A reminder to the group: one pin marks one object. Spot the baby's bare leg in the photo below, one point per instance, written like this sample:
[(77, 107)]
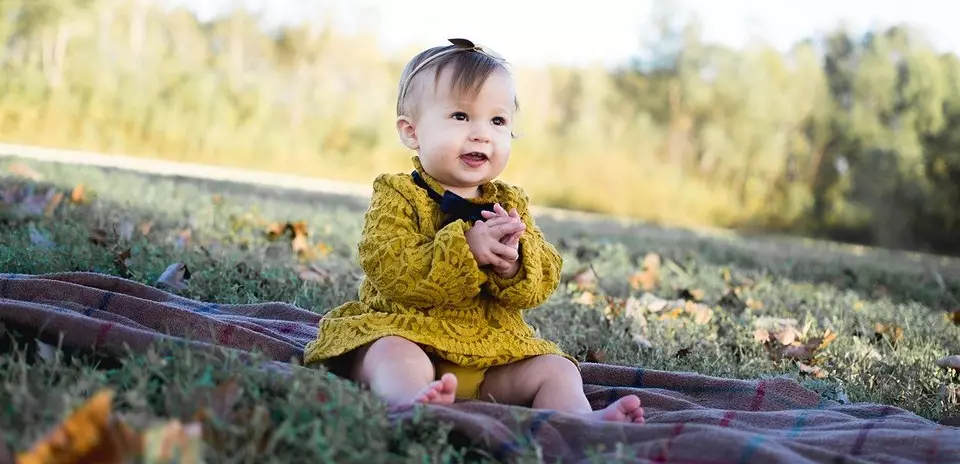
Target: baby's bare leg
[(552, 382), (399, 371)]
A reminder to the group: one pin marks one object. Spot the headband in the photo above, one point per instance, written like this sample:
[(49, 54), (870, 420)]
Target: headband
[(460, 45)]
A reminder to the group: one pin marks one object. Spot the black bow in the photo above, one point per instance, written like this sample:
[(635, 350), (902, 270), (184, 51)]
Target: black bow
[(455, 206)]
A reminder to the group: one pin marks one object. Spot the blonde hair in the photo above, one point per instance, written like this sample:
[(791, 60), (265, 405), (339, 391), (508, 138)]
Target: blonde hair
[(471, 67)]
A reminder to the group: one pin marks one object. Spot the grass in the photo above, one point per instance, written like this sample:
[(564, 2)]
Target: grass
[(888, 309)]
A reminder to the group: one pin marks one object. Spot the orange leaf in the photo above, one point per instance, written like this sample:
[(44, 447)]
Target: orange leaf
[(77, 195), (89, 434)]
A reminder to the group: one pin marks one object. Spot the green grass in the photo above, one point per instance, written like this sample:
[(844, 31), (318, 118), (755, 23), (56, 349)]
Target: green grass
[(847, 290)]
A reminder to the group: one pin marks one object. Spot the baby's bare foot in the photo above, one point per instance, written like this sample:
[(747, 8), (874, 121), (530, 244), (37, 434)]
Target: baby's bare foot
[(626, 409), (441, 391)]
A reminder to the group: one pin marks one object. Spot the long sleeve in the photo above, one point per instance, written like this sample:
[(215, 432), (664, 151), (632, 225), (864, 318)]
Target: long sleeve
[(540, 267), (409, 267)]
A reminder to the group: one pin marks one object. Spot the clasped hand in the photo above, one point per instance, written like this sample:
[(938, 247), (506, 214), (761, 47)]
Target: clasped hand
[(496, 240)]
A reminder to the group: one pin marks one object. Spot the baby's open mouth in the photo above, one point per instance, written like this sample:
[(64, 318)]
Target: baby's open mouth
[(473, 159)]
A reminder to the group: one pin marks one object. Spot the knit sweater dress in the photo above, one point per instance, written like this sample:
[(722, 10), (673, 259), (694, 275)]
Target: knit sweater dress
[(422, 282)]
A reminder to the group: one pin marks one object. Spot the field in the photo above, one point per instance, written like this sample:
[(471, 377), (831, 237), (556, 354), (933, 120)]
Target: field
[(855, 324)]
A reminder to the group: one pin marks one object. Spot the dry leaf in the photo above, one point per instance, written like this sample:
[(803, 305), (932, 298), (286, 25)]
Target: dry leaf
[(596, 355), (701, 313), (683, 352), (145, 227), (787, 336), (692, 294), (585, 279), (754, 304), (99, 237), (89, 434), (815, 371), (891, 332), (312, 273), (761, 335), (647, 278), (615, 307), (122, 262), (173, 442), (174, 277), (22, 170), (77, 195), (585, 298)]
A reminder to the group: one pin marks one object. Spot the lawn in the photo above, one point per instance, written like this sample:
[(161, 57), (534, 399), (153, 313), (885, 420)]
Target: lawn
[(854, 324)]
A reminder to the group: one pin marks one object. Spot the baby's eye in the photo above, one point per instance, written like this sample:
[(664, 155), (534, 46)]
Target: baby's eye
[(499, 121), (460, 116)]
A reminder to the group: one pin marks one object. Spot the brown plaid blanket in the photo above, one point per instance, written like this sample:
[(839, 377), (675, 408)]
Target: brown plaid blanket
[(691, 418)]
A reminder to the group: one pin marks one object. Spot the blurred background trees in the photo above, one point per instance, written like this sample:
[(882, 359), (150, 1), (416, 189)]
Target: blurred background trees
[(846, 137)]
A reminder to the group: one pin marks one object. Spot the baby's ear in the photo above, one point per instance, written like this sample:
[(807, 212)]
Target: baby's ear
[(407, 132)]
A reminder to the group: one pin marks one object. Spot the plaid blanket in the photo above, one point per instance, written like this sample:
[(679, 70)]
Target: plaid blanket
[(691, 418)]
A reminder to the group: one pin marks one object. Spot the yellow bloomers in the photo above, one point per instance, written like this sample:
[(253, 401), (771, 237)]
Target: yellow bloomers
[(423, 284)]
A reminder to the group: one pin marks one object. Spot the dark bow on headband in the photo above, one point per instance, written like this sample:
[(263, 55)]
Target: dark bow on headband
[(455, 206)]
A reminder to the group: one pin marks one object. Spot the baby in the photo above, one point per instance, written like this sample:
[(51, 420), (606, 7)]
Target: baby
[(452, 258)]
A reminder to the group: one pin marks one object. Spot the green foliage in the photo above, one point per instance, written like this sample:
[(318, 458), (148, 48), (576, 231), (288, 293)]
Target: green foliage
[(844, 136)]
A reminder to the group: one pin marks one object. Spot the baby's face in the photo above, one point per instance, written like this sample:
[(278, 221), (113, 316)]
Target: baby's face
[(465, 142)]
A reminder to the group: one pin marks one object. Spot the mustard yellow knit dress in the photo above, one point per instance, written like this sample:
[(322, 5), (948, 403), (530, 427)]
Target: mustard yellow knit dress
[(422, 282)]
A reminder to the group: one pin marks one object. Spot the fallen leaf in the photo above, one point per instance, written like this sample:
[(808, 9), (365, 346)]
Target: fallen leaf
[(692, 294), (761, 335), (77, 196), (585, 279), (802, 352), (122, 262), (173, 442), (312, 273), (40, 239), (701, 313), (217, 199), (754, 304), (683, 352), (89, 434), (815, 371), (99, 237), (787, 335), (893, 333), (648, 277), (299, 243), (596, 355), (585, 298), (174, 277), (145, 227), (22, 170), (828, 337), (615, 307)]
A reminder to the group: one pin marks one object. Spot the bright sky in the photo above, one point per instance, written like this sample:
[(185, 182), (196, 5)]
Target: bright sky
[(533, 32)]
